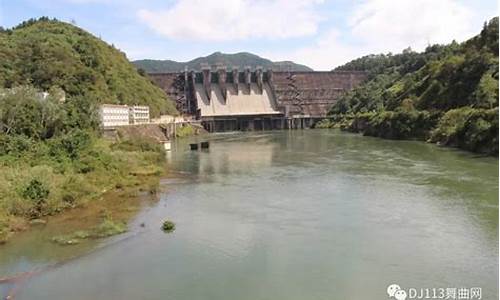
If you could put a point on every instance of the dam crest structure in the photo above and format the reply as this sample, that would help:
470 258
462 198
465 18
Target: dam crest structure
225 99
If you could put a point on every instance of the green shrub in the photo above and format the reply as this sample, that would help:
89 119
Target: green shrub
138 144
185 131
37 192
168 226
468 128
325 123
400 124
70 144
15 145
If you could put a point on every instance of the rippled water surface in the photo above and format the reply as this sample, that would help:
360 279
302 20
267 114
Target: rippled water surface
295 215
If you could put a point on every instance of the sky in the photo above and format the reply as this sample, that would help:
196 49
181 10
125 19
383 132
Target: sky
321 34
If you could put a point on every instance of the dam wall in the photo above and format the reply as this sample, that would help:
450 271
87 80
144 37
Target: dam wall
312 93
249 100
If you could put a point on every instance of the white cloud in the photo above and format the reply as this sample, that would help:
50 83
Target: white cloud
403 23
326 52
224 20
88 1
381 26
117 2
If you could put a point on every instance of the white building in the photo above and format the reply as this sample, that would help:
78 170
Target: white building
113 115
139 114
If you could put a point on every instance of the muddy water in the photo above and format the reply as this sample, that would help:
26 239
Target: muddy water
292 215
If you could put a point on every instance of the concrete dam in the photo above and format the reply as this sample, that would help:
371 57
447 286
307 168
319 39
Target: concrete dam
256 100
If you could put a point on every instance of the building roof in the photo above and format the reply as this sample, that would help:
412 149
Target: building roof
114 105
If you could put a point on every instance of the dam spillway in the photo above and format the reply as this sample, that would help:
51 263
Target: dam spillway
256 99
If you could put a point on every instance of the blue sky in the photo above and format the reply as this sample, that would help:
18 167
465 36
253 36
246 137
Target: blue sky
318 33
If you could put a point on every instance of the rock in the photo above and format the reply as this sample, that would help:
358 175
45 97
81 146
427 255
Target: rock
35 222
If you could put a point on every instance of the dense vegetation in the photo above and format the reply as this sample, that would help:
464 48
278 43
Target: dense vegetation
49 54
51 158
51 155
447 94
239 60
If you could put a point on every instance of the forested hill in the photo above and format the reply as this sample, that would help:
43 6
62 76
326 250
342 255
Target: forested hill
52 156
447 94
239 60
50 54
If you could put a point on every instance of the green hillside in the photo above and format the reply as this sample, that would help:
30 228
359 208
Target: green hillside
47 54
52 157
447 94
239 60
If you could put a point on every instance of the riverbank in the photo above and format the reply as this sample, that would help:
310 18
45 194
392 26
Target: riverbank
33 187
447 94
470 129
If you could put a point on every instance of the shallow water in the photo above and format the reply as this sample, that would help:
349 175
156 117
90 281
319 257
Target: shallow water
314 214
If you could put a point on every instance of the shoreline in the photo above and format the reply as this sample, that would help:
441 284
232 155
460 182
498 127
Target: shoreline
129 201
118 204
128 171
129 165
365 130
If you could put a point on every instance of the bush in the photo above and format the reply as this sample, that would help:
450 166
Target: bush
325 123
468 128
400 124
38 193
138 144
184 131
14 145
70 144
168 226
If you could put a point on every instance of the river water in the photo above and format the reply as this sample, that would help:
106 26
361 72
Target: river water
316 214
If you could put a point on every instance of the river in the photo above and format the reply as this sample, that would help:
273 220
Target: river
315 214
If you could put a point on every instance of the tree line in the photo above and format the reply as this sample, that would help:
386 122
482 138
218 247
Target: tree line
447 94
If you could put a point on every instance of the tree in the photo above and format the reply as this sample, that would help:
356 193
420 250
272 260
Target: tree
486 94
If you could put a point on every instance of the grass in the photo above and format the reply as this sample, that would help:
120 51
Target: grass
34 187
107 228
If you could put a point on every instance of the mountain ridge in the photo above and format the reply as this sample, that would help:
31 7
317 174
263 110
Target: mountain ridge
239 60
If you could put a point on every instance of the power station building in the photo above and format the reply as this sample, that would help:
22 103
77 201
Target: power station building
113 115
139 114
